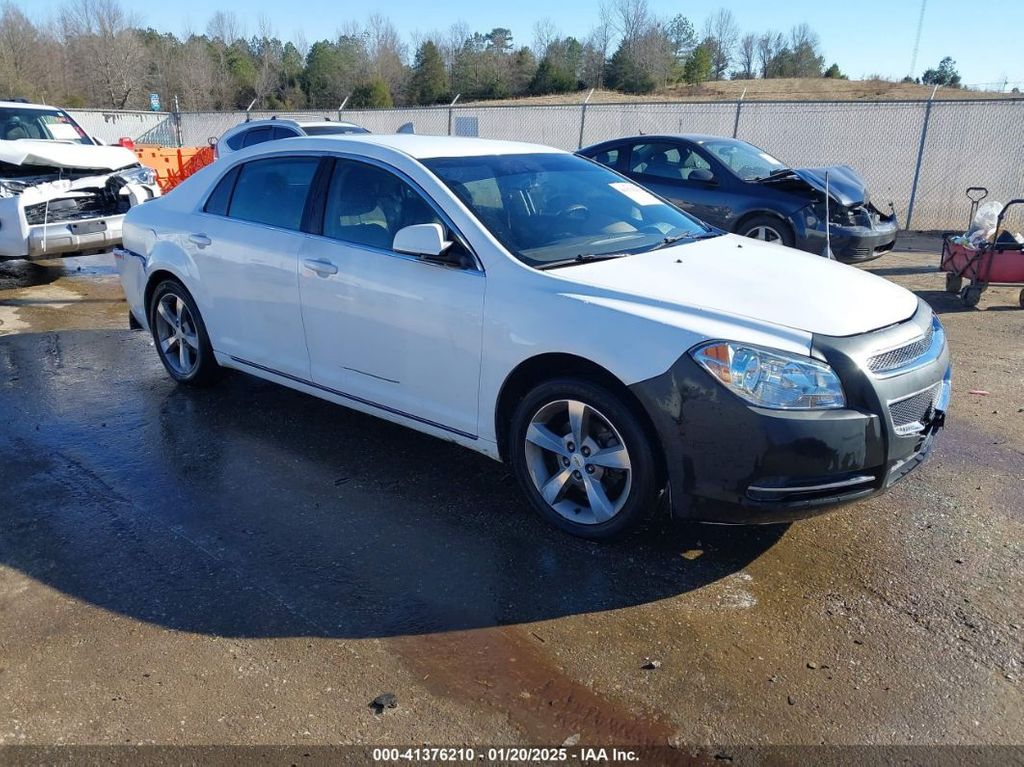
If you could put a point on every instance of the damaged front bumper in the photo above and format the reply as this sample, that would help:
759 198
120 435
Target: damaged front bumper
60 218
865 233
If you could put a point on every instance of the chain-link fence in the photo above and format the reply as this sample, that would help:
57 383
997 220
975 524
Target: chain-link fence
918 155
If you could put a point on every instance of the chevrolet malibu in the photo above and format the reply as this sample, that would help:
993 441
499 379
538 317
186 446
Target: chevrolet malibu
545 311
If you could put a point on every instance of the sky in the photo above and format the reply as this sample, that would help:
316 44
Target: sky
864 38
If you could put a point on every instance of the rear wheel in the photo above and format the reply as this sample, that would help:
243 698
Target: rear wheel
1020 298
767 229
583 459
954 282
180 335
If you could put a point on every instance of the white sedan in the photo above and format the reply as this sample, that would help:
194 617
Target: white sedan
541 309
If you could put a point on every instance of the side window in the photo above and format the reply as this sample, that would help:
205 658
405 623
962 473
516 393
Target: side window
273 191
367 205
235 142
256 136
609 157
667 161
279 132
217 202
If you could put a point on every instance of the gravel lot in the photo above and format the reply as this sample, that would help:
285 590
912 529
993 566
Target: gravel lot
250 565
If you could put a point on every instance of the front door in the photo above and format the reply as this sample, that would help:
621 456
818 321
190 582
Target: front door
395 331
666 168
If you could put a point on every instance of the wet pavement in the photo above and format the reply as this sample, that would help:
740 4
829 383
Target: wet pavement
247 564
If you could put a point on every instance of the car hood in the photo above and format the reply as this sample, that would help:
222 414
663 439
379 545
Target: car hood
57 154
844 185
745 278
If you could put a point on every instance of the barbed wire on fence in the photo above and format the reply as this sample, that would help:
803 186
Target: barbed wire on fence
918 155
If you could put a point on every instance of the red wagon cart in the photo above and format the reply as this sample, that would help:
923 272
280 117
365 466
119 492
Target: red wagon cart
999 262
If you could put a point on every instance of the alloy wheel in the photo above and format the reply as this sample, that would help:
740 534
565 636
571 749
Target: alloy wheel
578 461
765 234
176 334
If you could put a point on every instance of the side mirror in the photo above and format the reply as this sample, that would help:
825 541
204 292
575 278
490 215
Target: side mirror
421 240
702 176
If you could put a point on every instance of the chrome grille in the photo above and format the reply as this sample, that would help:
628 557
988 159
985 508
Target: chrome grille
901 356
910 413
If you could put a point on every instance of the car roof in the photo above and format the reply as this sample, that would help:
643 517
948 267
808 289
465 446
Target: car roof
419 147
293 121
696 138
324 124
25 105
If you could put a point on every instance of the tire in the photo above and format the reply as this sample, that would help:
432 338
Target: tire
954 283
971 295
767 229
1020 298
589 498
176 323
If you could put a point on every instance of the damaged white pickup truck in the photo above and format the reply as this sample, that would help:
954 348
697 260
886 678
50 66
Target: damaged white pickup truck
61 193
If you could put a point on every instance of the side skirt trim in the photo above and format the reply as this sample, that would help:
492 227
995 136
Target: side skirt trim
354 398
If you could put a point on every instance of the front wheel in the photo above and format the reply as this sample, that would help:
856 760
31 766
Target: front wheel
583 458
180 335
767 229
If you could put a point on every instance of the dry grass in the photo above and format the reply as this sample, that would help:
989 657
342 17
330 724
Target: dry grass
785 89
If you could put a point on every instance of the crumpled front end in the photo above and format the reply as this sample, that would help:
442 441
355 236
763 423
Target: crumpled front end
49 215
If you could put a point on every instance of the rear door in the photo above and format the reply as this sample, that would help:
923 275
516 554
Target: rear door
245 245
395 331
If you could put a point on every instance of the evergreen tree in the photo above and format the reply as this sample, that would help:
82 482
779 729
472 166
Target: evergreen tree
429 84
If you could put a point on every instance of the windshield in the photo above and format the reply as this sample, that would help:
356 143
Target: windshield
332 130
547 208
746 161
40 124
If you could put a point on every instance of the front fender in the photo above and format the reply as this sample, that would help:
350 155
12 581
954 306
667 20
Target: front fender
631 339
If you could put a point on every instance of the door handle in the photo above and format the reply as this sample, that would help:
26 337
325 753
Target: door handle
200 240
323 268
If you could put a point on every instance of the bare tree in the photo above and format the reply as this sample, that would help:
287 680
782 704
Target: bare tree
746 55
21 54
387 53
597 47
194 74
102 33
633 19
721 33
268 52
544 33
769 45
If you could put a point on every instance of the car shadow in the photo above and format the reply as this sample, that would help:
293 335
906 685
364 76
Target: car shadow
250 510
950 303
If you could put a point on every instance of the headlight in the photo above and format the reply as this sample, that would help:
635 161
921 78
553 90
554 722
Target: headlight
139 175
771 379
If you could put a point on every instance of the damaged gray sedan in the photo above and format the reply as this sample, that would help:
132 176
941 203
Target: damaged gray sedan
61 193
740 188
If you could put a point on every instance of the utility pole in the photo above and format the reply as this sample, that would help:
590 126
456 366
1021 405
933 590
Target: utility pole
917 38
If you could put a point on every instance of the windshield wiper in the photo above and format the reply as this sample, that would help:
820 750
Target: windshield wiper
669 241
582 258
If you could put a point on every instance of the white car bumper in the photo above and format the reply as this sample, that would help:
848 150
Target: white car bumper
21 239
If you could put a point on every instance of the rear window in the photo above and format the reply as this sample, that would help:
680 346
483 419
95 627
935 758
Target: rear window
273 191
256 136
